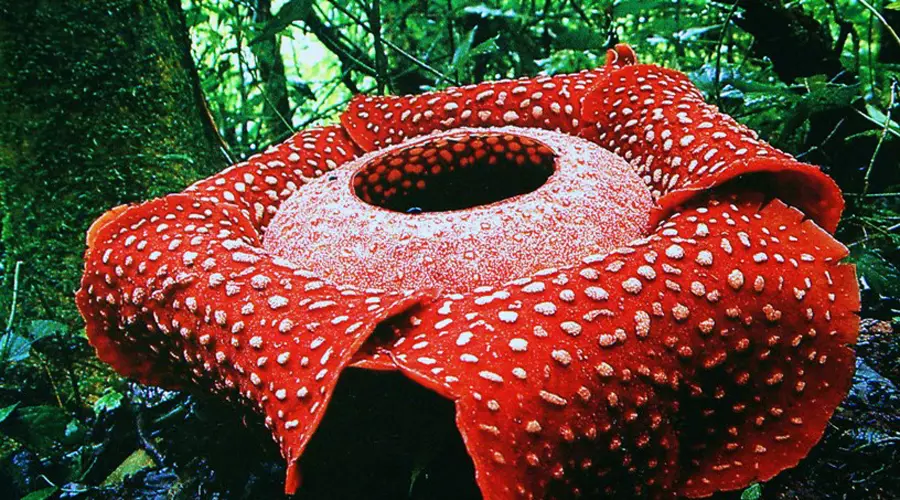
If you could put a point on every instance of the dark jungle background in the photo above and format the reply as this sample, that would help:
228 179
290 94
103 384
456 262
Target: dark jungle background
104 102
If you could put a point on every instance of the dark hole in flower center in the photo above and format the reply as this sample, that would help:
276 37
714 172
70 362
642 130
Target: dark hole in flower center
455 172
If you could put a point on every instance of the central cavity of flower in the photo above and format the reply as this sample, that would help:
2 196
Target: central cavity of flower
455 173
490 205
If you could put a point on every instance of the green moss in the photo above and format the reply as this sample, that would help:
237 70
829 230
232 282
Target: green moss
99 107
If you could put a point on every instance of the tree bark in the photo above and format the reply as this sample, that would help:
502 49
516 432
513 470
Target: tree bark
277 110
100 105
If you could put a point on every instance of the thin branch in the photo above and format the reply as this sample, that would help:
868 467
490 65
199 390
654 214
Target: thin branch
320 113
53 385
846 26
143 439
188 60
824 141
719 49
331 40
421 64
7 335
881 18
392 46
374 15
869 237
872 195
15 297
262 14
450 33
884 130
242 90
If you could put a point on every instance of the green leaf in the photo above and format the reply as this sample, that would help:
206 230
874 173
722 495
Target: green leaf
40 428
5 412
486 47
624 7
135 462
109 401
489 12
893 6
43 494
462 50
692 33
753 492
579 37
875 272
825 96
875 116
14 347
44 328
465 51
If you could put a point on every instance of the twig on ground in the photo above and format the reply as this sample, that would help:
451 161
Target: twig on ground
143 439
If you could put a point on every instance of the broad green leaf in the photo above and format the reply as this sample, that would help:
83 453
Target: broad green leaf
110 400
875 272
462 50
135 462
893 6
5 412
753 492
14 347
624 7
44 328
486 47
43 494
825 96
465 51
40 428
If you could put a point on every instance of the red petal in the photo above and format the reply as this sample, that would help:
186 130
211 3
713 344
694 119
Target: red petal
260 184
656 119
646 371
176 292
551 103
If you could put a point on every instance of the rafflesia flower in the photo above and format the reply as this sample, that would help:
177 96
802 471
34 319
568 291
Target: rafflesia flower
624 291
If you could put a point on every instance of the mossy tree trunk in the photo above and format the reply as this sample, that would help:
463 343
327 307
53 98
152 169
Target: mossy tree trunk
100 105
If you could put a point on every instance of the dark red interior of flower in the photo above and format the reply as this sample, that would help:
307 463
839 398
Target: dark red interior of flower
455 173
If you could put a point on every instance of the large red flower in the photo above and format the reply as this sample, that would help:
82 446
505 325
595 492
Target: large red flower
663 317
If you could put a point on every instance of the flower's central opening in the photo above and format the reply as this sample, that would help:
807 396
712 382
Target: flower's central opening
454 173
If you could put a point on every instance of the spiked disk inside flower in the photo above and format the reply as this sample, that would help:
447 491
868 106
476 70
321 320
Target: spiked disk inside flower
462 209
